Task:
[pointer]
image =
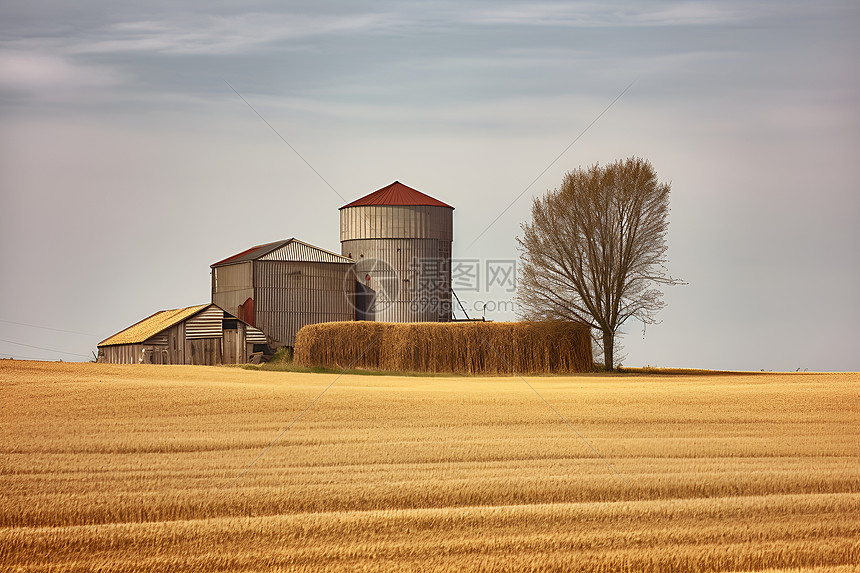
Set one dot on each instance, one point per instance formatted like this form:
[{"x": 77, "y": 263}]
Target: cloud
[
  {"x": 221, "y": 35},
  {"x": 690, "y": 14},
  {"x": 47, "y": 74},
  {"x": 587, "y": 14}
]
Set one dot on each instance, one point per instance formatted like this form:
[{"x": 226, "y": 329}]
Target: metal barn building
[
  {"x": 400, "y": 240},
  {"x": 202, "y": 334},
  {"x": 280, "y": 287}
]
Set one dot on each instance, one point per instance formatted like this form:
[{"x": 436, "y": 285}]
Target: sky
[{"x": 128, "y": 164}]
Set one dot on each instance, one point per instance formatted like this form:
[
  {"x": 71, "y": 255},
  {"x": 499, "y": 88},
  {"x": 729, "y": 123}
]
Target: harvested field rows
[{"x": 135, "y": 468}]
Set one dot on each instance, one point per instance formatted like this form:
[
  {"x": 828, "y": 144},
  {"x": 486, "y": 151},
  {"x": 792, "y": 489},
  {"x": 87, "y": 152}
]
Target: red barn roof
[{"x": 397, "y": 194}]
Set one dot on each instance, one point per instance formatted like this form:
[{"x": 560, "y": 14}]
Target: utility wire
[
  {"x": 296, "y": 151},
  {"x": 17, "y": 357},
  {"x": 43, "y": 348},
  {"x": 48, "y": 328},
  {"x": 529, "y": 186}
]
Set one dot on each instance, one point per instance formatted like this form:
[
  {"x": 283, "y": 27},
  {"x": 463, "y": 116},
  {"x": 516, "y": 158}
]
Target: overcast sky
[{"x": 128, "y": 165}]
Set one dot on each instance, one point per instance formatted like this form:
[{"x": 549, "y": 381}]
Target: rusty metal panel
[
  {"x": 232, "y": 286},
  {"x": 397, "y": 194}
]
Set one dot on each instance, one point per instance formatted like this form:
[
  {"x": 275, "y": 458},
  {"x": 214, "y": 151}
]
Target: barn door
[
  {"x": 231, "y": 343},
  {"x": 246, "y": 312}
]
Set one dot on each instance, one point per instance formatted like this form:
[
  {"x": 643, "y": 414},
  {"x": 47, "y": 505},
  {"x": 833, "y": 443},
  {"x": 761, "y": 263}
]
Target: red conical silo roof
[{"x": 397, "y": 194}]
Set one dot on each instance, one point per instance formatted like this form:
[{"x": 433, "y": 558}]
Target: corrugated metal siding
[
  {"x": 252, "y": 253},
  {"x": 396, "y": 222},
  {"x": 411, "y": 277},
  {"x": 254, "y": 335},
  {"x": 233, "y": 285},
  {"x": 207, "y": 324},
  {"x": 299, "y": 251},
  {"x": 293, "y": 294}
]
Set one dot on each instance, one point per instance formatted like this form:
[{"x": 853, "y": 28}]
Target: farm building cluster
[{"x": 394, "y": 266}]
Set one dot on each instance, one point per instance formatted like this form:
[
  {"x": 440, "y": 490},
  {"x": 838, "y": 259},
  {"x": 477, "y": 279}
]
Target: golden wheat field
[{"x": 172, "y": 468}]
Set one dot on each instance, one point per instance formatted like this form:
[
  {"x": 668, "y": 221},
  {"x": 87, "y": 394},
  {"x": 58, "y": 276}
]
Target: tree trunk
[{"x": 608, "y": 343}]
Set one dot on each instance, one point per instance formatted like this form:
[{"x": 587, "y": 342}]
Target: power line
[
  {"x": 18, "y": 357},
  {"x": 529, "y": 186},
  {"x": 296, "y": 151},
  {"x": 48, "y": 328},
  {"x": 43, "y": 348}
]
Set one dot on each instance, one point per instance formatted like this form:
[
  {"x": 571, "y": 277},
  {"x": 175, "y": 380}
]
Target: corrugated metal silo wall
[
  {"x": 411, "y": 278},
  {"x": 232, "y": 286},
  {"x": 396, "y": 222},
  {"x": 406, "y": 253},
  {"x": 293, "y": 294}
]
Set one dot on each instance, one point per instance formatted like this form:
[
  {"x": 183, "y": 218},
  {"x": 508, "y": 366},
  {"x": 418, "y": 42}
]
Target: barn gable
[
  {"x": 292, "y": 250},
  {"x": 280, "y": 287},
  {"x": 298, "y": 251}
]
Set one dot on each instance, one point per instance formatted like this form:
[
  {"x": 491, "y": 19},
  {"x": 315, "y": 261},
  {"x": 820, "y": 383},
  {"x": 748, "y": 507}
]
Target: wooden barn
[
  {"x": 203, "y": 334},
  {"x": 282, "y": 286}
]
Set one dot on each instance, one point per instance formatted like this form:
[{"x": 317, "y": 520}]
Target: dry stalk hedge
[{"x": 468, "y": 347}]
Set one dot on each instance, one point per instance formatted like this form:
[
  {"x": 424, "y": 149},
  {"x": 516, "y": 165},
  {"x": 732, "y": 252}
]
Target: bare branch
[{"x": 596, "y": 248}]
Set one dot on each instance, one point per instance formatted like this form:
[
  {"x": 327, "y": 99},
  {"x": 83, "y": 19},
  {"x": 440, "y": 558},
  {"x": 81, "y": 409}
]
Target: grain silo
[{"x": 400, "y": 240}]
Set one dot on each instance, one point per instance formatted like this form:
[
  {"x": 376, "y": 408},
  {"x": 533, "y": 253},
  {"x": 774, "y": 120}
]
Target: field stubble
[{"x": 132, "y": 468}]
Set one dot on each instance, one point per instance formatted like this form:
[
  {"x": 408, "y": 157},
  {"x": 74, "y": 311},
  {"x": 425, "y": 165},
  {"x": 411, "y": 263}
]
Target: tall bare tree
[{"x": 595, "y": 250}]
